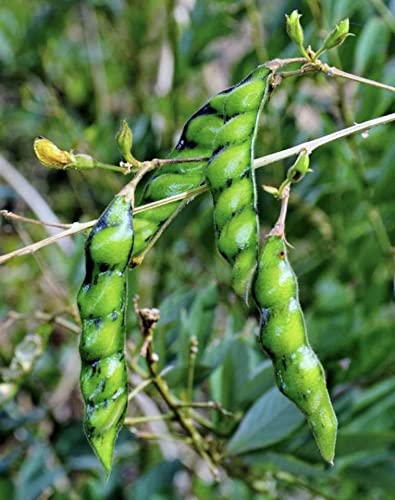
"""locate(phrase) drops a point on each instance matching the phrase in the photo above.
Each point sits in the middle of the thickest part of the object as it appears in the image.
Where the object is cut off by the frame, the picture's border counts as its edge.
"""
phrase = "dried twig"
(148, 319)
(55, 318)
(20, 218)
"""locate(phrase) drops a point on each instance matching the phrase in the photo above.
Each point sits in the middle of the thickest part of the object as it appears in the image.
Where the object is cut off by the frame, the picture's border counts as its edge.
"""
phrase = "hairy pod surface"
(298, 371)
(217, 131)
(231, 179)
(102, 301)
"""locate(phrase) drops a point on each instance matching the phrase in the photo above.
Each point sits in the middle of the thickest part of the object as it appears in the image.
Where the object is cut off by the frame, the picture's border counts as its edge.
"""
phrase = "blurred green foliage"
(70, 70)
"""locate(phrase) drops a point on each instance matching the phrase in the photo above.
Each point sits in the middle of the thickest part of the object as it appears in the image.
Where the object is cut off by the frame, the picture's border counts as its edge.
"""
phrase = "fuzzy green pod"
(211, 132)
(298, 371)
(229, 175)
(102, 301)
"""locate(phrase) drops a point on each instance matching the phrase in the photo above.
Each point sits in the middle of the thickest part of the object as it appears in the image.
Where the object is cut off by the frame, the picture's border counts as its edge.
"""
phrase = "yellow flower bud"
(50, 155)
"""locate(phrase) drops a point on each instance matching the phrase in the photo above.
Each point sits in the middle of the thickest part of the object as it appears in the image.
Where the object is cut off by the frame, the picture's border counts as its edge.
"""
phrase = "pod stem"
(128, 191)
(138, 259)
(279, 227)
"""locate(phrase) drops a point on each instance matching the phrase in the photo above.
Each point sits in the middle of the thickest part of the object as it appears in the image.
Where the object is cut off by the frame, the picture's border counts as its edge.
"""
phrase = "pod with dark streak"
(231, 178)
(298, 371)
(227, 119)
(102, 301)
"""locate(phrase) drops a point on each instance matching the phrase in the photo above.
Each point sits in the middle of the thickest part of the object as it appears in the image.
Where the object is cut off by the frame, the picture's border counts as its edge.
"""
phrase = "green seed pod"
(299, 373)
(210, 134)
(230, 176)
(102, 301)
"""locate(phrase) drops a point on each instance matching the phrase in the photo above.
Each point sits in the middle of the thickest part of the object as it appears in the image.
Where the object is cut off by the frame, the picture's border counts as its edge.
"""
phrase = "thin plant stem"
(149, 436)
(212, 405)
(193, 350)
(20, 218)
(112, 168)
(57, 319)
(136, 260)
(129, 190)
(139, 388)
(279, 228)
(339, 73)
(76, 227)
(131, 421)
(309, 146)
(207, 424)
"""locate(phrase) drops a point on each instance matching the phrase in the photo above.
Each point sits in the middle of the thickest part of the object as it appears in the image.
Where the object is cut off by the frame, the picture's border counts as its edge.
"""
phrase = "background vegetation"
(70, 70)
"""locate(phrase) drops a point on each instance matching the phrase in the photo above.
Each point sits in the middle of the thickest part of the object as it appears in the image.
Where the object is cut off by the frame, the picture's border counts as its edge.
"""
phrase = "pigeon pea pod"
(101, 301)
(230, 176)
(298, 371)
(223, 129)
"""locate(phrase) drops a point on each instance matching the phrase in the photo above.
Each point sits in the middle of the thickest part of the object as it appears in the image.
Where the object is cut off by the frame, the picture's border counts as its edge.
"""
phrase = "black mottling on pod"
(226, 121)
(101, 301)
(230, 177)
(298, 371)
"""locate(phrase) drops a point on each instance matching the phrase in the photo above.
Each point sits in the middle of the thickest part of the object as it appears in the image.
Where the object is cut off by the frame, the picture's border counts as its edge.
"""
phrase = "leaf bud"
(294, 28)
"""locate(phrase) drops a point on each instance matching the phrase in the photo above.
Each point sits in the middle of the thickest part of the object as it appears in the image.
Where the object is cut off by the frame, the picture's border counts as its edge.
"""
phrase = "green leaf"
(349, 442)
(378, 417)
(377, 478)
(235, 373)
(178, 375)
(201, 316)
(197, 323)
(35, 475)
(374, 394)
(283, 462)
(260, 381)
(158, 479)
(6, 488)
(372, 45)
(270, 420)
(332, 295)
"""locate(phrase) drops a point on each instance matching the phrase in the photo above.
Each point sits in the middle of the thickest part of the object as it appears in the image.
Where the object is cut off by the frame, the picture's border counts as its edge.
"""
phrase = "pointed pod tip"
(324, 427)
(103, 446)
(106, 461)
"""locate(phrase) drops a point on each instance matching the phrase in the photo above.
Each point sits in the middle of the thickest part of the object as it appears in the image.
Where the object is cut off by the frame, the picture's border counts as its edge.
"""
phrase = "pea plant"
(129, 353)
